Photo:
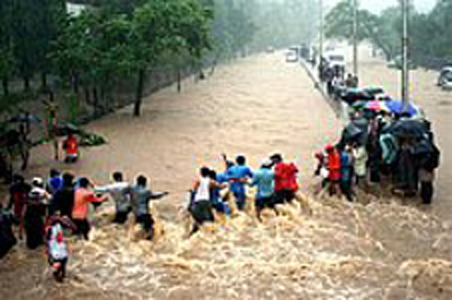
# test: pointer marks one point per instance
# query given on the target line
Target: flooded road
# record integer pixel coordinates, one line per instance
(256, 106)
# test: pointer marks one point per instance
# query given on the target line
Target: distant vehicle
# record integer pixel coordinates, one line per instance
(336, 60)
(397, 63)
(292, 54)
(270, 49)
(445, 78)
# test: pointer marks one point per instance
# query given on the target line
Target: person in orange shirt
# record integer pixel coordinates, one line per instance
(71, 147)
(83, 196)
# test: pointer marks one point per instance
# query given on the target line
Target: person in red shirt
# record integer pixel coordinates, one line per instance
(334, 169)
(71, 147)
(285, 180)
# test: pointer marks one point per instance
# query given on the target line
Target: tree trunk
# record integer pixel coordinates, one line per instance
(179, 86)
(5, 84)
(26, 83)
(96, 100)
(87, 95)
(44, 86)
(139, 93)
(75, 84)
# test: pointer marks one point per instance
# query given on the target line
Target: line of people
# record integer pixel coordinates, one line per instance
(43, 208)
(275, 181)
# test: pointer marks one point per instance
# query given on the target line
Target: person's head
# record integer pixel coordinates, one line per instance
(117, 177)
(213, 175)
(349, 76)
(266, 163)
(68, 180)
(142, 181)
(240, 160)
(329, 148)
(18, 178)
(54, 173)
(83, 182)
(276, 158)
(37, 182)
(229, 164)
(205, 172)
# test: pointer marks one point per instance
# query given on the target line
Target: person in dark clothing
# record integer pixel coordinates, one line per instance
(35, 212)
(7, 238)
(427, 171)
(406, 176)
(18, 191)
(63, 200)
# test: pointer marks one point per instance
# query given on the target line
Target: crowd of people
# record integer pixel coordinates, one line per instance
(275, 182)
(43, 209)
(385, 141)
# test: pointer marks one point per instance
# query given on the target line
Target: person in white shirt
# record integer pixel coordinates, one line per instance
(119, 191)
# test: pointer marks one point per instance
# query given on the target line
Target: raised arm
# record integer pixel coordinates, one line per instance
(91, 197)
(156, 196)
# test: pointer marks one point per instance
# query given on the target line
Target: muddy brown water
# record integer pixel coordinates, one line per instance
(255, 106)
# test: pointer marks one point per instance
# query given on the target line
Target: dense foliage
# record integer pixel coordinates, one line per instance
(116, 40)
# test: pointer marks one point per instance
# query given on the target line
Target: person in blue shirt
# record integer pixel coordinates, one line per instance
(218, 203)
(238, 175)
(264, 179)
(55, 182)
(347, 173)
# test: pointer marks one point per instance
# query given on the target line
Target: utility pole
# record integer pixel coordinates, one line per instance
(321, 31)
(405, 66)
(355, 37)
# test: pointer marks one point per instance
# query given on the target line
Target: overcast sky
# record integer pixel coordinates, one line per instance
(379, 5)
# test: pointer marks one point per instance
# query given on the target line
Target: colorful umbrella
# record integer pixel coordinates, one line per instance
(396, 106)
(376, 106)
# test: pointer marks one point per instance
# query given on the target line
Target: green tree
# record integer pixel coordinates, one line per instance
(6, 51)
(162, 26)
(381, 30)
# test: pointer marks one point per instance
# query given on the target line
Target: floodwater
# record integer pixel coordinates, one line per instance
(375, 249)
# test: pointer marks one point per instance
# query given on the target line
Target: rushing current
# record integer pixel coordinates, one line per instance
(378, 248)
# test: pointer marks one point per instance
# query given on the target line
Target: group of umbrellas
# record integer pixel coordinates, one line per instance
(390, 106)
(369, 98)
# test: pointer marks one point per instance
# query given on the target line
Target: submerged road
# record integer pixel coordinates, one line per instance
(255, 106)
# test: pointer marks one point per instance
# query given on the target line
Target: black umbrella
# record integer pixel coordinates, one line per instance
(409, 128)
(25, 118)
(351, 95)
(67, 128)
(371, 90)
(352, 133)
